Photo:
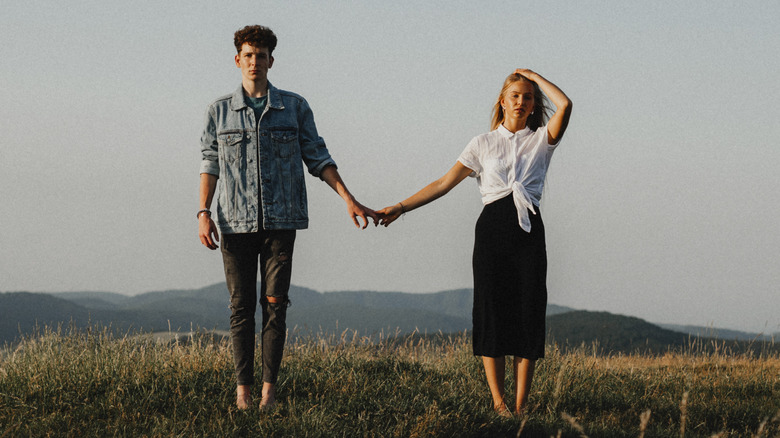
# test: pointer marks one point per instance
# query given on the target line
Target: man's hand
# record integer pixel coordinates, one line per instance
(356, 209)
(207, 230)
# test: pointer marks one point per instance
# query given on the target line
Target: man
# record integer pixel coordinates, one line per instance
(254, 145)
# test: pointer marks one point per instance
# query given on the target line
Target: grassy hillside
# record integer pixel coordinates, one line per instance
(89, 384)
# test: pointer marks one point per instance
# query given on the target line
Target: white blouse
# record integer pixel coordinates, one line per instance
(505, 162)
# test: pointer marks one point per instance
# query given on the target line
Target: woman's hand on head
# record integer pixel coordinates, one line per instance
(525, 73)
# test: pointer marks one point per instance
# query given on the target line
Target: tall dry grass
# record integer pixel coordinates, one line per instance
(90, 383)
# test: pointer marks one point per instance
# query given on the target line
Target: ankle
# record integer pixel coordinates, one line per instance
(243, 390)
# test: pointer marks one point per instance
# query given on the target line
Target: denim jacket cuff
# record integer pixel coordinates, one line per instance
(210, 167)
(317, 171)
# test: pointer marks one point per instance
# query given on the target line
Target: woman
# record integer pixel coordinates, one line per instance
(510, 259)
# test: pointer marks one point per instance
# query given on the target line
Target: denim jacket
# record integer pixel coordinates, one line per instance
(262, 160)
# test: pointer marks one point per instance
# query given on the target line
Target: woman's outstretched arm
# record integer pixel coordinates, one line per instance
(560, 120)
(429, 193)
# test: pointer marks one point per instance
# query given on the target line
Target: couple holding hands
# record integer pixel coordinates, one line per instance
(255, 144)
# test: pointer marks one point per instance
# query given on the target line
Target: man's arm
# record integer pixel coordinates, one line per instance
(331, 176)
(207, 229)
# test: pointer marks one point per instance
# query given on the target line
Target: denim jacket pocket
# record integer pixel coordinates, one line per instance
(284, 141)
(230, 144)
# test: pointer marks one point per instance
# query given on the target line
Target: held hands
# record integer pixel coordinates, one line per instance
(389, 214)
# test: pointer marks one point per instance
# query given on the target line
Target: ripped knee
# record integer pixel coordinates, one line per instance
(278, 300)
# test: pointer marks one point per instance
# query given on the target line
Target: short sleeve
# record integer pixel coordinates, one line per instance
(470, 157)
(546, 139)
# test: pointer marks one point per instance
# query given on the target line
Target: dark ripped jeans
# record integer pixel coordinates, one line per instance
(240, 254)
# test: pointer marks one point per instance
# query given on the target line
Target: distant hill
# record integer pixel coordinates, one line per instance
(366, 312)
(611, 333)
(370, 311)
(718, 333)
(312, 311)
(455, 302)
(94, 300)
(604, 332)
(24, 313)
(363, 312)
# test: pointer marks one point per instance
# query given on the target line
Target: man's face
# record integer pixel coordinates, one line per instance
(254, 63)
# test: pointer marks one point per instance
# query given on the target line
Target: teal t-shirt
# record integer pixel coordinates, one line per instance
(257, 104)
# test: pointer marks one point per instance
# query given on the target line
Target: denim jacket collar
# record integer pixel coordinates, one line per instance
(238, 103)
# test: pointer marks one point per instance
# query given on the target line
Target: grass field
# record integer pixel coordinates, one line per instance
(89, 383)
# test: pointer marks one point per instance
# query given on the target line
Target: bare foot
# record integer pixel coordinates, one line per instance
(243, 397)
(502, 410)
(269, 397)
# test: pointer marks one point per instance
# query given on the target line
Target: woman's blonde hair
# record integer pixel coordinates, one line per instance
(536, 119)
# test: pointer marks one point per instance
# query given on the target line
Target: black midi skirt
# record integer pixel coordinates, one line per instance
(510, 283)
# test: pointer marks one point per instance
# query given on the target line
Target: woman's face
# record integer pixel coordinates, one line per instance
(518, 101)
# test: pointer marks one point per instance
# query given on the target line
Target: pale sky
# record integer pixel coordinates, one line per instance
(661, 201)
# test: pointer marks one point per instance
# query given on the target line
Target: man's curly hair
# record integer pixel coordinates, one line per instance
(257, 36)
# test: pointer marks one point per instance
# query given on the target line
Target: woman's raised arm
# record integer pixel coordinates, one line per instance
(557, 124)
